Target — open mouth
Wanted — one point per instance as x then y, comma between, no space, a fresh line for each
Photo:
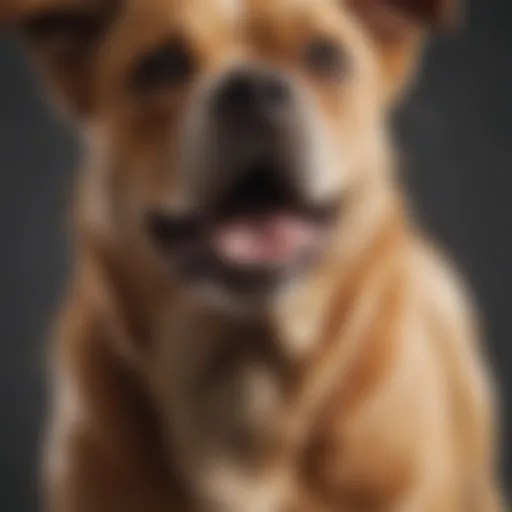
257,233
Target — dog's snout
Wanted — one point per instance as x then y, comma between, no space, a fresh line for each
245,95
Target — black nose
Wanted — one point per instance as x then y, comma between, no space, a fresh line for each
246,95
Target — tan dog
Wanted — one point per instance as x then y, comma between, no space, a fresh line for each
254,323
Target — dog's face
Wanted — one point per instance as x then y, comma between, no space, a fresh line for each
228,133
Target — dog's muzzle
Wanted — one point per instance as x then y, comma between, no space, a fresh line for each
254,224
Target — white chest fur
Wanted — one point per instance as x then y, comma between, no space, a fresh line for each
221,398
228,488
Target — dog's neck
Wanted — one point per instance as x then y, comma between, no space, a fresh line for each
230,389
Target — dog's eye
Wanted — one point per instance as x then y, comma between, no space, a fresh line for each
325,58
169,65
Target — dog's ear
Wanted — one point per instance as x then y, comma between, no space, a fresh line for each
63,37
398,28
432,12
390,19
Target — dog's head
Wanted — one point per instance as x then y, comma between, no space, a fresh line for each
226,134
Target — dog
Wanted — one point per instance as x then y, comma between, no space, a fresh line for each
255,321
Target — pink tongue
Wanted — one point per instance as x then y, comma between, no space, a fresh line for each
269,240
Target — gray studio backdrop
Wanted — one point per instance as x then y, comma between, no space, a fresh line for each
456,130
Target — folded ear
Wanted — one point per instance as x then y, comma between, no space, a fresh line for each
425,12
63,37
388,18
398,28
11,10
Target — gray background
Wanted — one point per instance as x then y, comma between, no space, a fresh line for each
456,131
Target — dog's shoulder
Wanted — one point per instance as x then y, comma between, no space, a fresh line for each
455,335
442,289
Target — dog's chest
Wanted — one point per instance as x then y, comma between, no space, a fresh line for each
224,487
238,432
223,411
